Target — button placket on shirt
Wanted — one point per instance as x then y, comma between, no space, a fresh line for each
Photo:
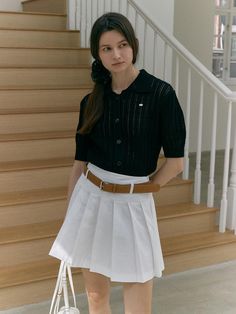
117,138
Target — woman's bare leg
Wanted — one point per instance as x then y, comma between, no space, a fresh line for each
98,292
138,297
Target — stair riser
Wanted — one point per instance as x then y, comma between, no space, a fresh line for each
29,150
34,292
24,252
20,38
32,213
44,77
200,258
173,194
52,6
25,21
187,224
17,101
34,179
43,57
22,123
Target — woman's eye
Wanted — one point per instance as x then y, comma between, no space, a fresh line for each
123,45
105,49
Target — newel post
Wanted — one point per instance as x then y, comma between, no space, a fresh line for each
231,212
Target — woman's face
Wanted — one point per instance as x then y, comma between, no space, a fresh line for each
115,52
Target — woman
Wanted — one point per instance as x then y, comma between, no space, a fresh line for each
110,230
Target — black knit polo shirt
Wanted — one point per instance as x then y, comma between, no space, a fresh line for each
135,124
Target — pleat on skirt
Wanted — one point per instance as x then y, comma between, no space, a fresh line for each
113,234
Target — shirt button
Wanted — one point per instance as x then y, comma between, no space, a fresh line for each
119,163
118,141
117,120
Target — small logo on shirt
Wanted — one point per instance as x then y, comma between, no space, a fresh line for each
140,105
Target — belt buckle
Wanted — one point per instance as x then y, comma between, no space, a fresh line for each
101,185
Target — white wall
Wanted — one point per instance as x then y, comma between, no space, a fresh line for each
193,27
161,11
10,5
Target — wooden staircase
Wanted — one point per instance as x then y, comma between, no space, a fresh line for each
44,74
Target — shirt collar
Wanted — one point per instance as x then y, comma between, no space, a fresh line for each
142,84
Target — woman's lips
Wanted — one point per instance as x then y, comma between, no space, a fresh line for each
118,63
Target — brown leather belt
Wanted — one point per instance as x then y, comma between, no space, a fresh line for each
121,188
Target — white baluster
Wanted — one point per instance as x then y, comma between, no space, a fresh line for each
231,211
135,24
94,10
211,184
119,6
88,21
123,7
187,120
83,23
98,8
71,11
107,6
197,182
177,75
164,62
101,7
115,6
127,9
223,205
144,61
78,14
155,55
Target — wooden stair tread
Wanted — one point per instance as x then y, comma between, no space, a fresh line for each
59,109
33,196
30,272
36,195
45,87
22,233
40,30
41,87
182,209
41,109
36,164
36,135
35,67
178,181
47,48
192,242
33,13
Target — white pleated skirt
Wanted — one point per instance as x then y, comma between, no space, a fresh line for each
113,234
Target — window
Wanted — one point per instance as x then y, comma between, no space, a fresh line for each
224,42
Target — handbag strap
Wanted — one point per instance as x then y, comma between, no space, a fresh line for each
71,283
61,285
58,288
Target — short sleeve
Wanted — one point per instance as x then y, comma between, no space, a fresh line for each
173,132
81,140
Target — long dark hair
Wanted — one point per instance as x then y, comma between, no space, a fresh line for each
100,75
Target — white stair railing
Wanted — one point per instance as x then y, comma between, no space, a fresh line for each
159,50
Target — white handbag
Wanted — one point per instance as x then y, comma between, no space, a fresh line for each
62,288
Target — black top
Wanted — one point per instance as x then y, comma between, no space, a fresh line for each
134,126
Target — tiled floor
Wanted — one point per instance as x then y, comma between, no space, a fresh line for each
210,290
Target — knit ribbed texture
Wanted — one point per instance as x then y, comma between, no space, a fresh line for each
134,126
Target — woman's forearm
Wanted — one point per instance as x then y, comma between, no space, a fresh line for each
170,169
77,170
